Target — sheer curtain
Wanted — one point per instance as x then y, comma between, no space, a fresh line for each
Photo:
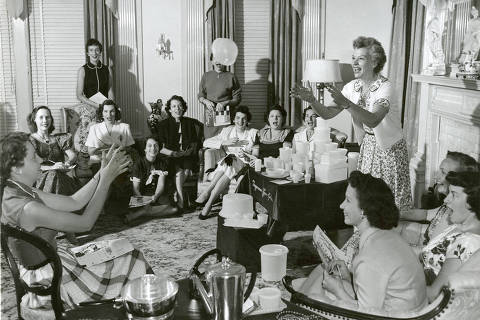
286,56
405,59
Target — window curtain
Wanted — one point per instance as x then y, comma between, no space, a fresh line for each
220,17
99,24
286,56
405,59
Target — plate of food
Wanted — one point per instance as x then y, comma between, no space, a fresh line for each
276,173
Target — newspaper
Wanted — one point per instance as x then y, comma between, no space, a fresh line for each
326,249
98,252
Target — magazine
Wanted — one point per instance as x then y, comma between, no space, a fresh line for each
326,249
139,201
93,253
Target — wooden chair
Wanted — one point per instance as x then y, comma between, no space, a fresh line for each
57,310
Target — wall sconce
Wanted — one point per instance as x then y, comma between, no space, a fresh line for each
322,71
163,47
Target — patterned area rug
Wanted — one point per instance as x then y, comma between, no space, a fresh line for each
170,244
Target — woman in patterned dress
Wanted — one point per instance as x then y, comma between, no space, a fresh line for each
445,253
56,150
375,116
44,214
93,77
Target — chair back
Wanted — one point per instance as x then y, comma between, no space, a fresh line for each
21,288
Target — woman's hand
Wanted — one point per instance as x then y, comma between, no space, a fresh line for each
118,164
209,104
178,154
230,142
107,156
338,268
338,97
220,107
332,284
303,93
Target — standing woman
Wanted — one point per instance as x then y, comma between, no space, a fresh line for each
218,89
177,138
56,150
93,77
376,118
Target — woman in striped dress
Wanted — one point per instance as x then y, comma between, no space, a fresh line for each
45,214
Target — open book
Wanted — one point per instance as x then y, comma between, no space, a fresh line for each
326,249
93,253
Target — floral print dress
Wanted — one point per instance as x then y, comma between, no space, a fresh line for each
450,244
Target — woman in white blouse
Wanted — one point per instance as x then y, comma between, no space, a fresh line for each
306,133
108,132
234,142
375,116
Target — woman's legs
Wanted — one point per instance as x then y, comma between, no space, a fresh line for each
220,186
179,181
206,194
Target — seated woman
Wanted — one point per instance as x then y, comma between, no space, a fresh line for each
445,253
45,214
177,138
233,141
387,275
419,234
309,123
148,179
274,135
56,150
110,131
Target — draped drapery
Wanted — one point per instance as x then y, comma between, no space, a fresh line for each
99,24
220,17
405,59
286,57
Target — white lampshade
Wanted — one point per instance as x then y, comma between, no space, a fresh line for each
322,71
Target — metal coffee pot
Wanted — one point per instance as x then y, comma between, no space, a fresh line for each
224,296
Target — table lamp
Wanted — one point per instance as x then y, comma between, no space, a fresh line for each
322,71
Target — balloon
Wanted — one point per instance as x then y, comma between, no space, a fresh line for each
224,51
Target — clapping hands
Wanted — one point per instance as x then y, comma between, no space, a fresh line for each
303,93
337,96
114,162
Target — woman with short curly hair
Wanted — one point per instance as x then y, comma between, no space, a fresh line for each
45,214
385,274
375,117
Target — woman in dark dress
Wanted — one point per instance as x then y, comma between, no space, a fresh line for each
93,77
274,135
177,138
57,153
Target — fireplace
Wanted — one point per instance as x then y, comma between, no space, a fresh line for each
449,120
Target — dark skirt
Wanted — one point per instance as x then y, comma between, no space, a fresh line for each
269,149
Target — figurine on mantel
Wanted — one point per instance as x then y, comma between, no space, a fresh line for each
434,54
471,42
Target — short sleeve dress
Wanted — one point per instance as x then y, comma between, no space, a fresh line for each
79,283
55,181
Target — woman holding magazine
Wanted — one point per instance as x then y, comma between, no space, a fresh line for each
385,274
45,214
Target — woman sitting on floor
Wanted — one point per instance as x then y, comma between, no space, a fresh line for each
233,141
445,253
274,135
387,275
177,138
45,214
149,175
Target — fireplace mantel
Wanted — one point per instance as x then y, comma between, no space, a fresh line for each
448,120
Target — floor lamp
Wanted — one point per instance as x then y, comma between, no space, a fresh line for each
322,71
